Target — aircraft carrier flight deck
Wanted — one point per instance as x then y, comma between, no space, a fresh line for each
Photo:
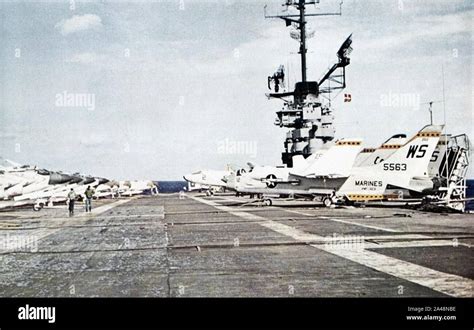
192,245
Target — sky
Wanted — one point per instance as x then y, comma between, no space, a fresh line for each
158,89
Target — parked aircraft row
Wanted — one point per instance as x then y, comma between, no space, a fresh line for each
344,171
22,186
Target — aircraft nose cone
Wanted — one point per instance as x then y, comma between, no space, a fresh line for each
87,181
76,179
59,178
43,172
102,180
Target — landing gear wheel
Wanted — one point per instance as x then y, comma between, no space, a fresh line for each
37,208
267,202
327,201
208,193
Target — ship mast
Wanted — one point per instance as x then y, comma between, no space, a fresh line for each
303,50
300,20
310,121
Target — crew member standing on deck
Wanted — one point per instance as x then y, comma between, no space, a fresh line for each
71,196
89,194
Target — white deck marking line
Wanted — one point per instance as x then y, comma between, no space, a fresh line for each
423,243
42,233
68,219
449,284
425,238
347,222
337,220
452,285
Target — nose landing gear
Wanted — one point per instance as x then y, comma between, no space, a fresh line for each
327,201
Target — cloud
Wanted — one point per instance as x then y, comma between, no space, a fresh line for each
94,140
7,136
424,29
83,58
78,23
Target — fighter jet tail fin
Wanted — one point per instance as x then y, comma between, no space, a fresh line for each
372,156
299,163
414,156
337,160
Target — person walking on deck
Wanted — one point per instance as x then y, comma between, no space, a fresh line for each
71,196
89,193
